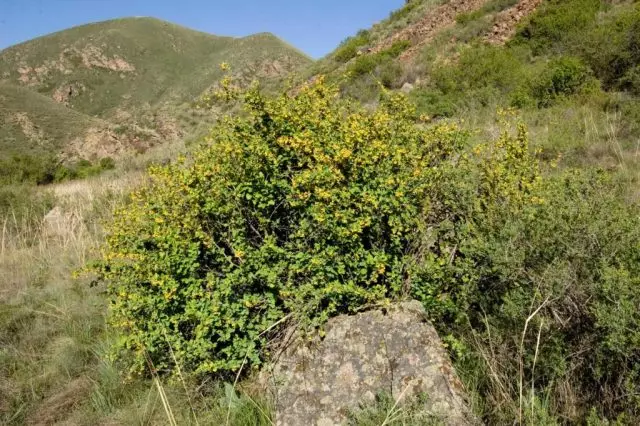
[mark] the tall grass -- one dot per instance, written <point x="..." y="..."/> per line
<point x="53" y="339"/>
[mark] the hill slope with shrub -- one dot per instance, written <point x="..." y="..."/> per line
<point x="502" y="194"/>
<point x="568" y="70"/>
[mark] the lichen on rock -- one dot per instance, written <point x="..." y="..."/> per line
<point x="395" y="350"/>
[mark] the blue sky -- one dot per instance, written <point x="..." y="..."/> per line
<point x="314" y="26"/>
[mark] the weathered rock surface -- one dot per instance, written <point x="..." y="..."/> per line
<point x="506" y="23"/>
<point x="406" y="88"/>
<point x="422" y="31"/>
<point x="396" y="351"/>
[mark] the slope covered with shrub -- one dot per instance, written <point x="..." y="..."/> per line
<point x="311" y="206"/>
<point x="520" y="240"/>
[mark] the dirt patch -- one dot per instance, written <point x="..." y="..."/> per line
<point x="423" y="31"/>
<point x="96" y="143"/>
<point x="93" y="57"/>
<point x="67" y="91"/>
<point x="506" y="22"/>
<point x="166" y="126"/>
<point x="70" y="58"/>
<point x="58" y="407"/>
<point x="29" y="129"/>
<point x="26" y="76"/>
<point x="103" y="142"/>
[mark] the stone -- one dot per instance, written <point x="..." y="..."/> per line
<point x="54" y="221"/>
<point x="396" y="350"/>
<point x="406" y="88"/>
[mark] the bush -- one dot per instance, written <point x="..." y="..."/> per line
<point x="307" y="207"/>
<point x="364" y="64"/>
<point x="368" y="63"/>
<point x="481" y="75"/>
<point x="390" y="75"/>
<point x="371" y="72"/>
<point x="612" y="49"/>
<point x="28" y="168"/>
<point x="575" y="255"/>
<point x="311" y="206"/>
<point x="563" y="76"/>
<point x="559" y="25"/>
<point x="349" y="48"/>
<point x="45" y="169"/>
<point x="433" y="103"/>
<point x="396" y="48"/>
<point x="82" y="169"/>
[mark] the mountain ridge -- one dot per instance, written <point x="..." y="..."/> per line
<point x="140" y="76"/>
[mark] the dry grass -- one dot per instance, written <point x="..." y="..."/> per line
<point x="50" y="321"/>
<point x="53" y="338"/>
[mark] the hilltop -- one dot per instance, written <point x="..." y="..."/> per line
<point x="129" y="84"/>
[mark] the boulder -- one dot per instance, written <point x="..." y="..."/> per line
<point x="54" y="222"/>
<point x="406" y="88"/>
<point x="318" y="381"/>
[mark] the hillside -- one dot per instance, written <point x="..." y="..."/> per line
<point x="480" y="157"/>
<point x="32" y="121"/>
<point x="571" y="63"/>
<point x="139" y="75"/>
<point x="569" y="72"/>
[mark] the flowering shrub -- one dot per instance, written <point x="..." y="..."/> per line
<point x="306" y="207"/>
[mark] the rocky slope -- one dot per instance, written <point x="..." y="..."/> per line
<point x="133" y="80"/>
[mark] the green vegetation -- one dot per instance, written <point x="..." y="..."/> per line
<point x="135" y="61"/>
<point x="380" y="66"/>
<point x="541" y="276"/>
<point x="349" y="48"/>
<point x="287" y="216"/>
<point x="41" y="170"/>
<point x="281" y="214"/>
<point x="333" y="65"/>
<point x="385" y="410"/>
<point x="518" y="232"/>
<point x="555" y="55"/>
<point x="559" y="23"/>
<point x="34" y="130"/>
<point x="404" y="11"/>
<point x="53" y="339"/>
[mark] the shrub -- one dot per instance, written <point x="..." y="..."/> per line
<point x="465" y="18"/>
<point x="364" y="64"/>
<point x="612" y="49"/>
<point x="558" y="24"/>
<point x="396" y="48"/>
<point x="390" y="74"/>
<point x="371" y="72"/>
<point x="310" y="206"/>
<point x="480" y="69"/>
<point x="631" y="80"/>
<point x="368" y="63"/>
<point x="307" y="207"/>
<point x="575" y="256"/>
<point x="433" y="103"/>
<point x="349" y="48"/>
<point x="28" y="168"/>
<point x="562" y="77"/>
<point x="82" y="169"/>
